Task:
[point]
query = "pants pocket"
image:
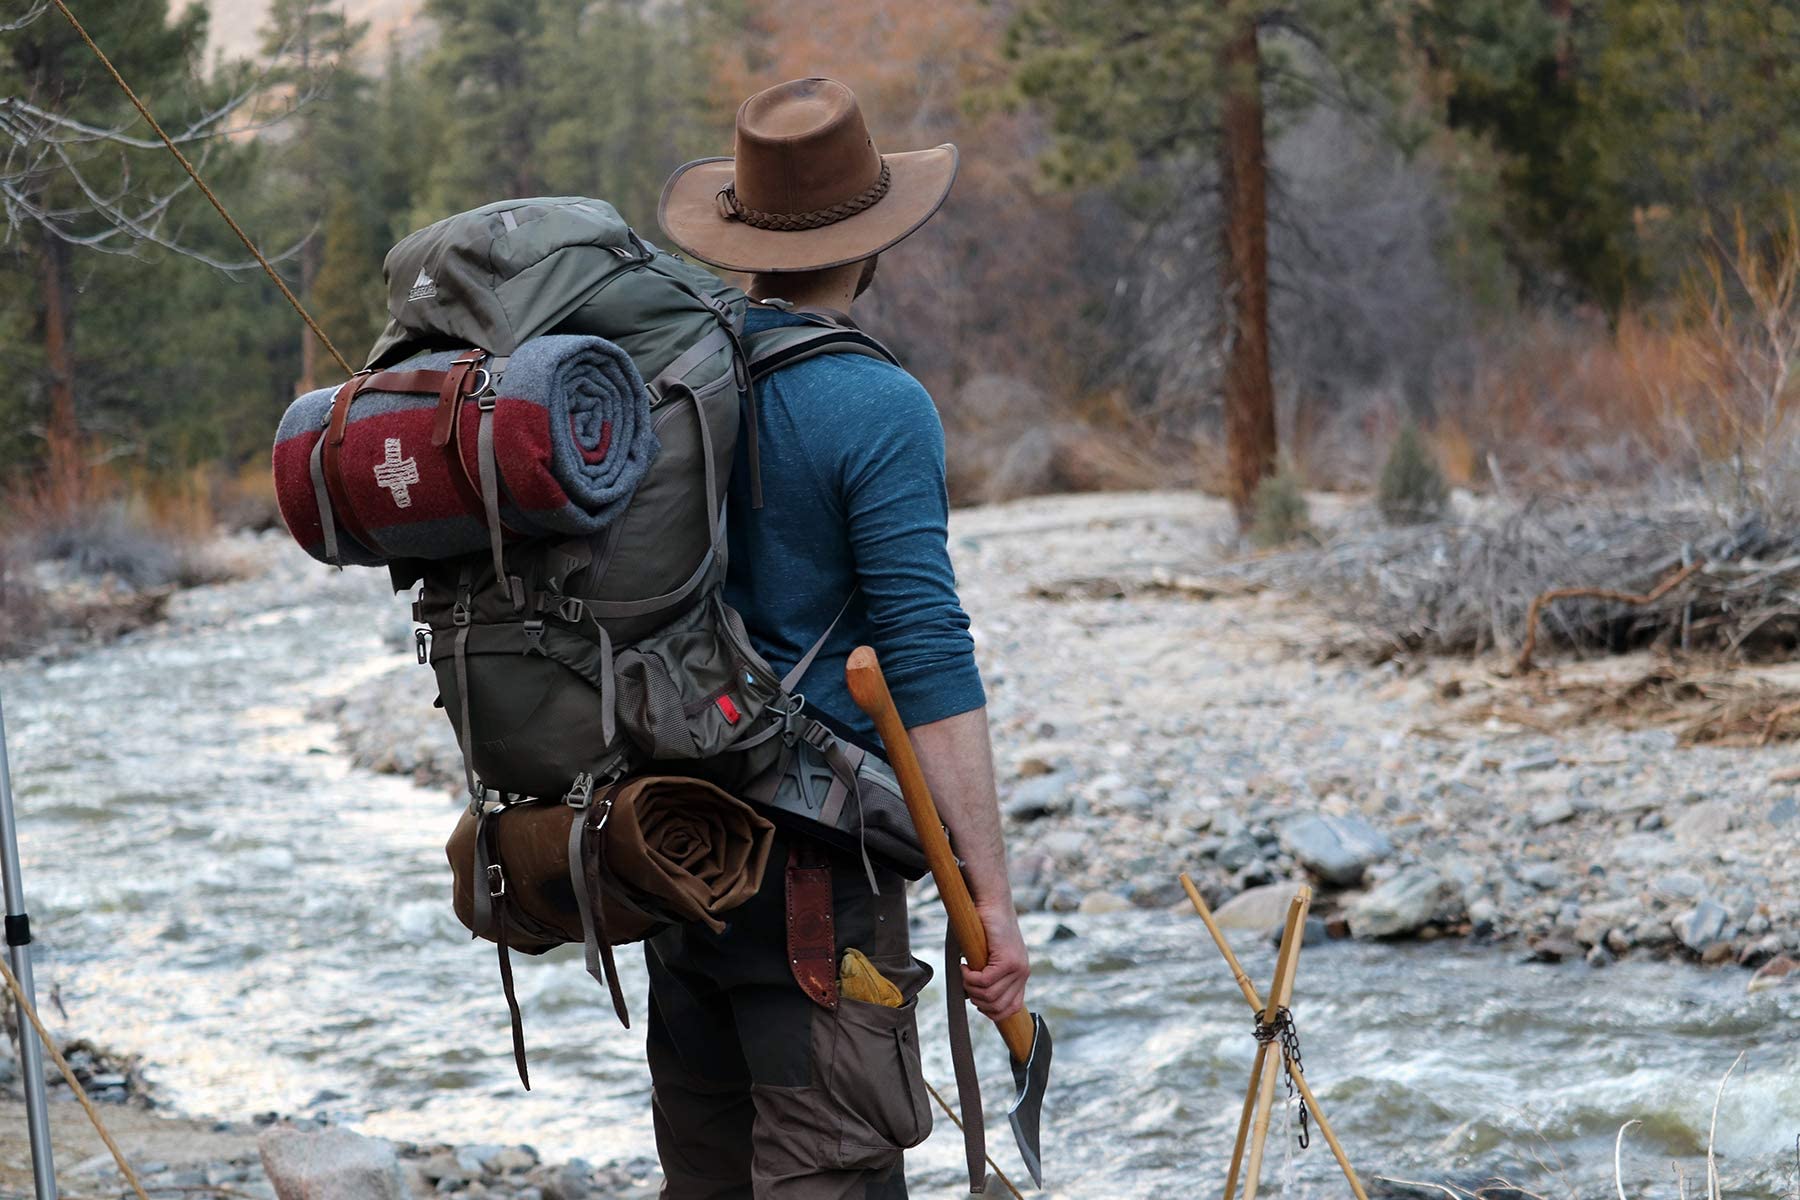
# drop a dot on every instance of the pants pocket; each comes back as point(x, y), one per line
point(871, 1066)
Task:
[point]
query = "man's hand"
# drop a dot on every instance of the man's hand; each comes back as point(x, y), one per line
point(998, 989)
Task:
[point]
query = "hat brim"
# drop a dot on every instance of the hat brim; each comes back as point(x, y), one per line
point(689, 214)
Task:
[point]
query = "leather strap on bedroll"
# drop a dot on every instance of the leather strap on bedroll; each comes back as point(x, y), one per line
point(490, 907)
point(811, 936)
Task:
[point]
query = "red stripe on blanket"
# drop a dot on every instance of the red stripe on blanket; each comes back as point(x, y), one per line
point(393, 476)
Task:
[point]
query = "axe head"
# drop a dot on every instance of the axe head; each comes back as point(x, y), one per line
point(1032, 1078)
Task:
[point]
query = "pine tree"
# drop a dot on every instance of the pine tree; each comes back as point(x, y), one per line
point(347, 294)
point(1693, 114)
point(1176, 96)
point(308, 46)
point(81, 171)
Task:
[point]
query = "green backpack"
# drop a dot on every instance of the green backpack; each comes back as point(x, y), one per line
point(564, 665)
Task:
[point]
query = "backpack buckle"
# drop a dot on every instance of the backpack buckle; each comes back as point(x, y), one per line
point(459, 613)
point(571, 609)
point(422, 645)
point(582, 793)
point(534, 638)
point(496, 881)
point(790, 718)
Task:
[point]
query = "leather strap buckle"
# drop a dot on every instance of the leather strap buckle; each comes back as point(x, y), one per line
point(496, 881)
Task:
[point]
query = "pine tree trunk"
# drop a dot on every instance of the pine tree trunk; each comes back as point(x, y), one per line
point(1243, 186)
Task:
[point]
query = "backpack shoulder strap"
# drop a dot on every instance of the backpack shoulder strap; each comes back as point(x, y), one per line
point(786, 345)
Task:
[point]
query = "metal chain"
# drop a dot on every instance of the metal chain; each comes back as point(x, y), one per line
point(1283, 1031)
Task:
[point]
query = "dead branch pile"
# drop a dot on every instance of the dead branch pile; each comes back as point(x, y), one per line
point(1704, 707)
point(1604, 579)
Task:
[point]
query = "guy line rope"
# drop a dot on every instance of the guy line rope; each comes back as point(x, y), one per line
point(324, 340)
point(62, 1064)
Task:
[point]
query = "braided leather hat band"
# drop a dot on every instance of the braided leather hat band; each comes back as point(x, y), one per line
point(732, 209)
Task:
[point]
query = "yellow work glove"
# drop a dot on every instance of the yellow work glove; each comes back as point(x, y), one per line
point(859, 980)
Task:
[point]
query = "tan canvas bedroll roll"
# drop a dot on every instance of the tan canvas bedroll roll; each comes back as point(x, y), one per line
point(603, 869)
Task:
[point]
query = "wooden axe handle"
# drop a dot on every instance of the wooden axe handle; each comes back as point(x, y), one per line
point(868, 687)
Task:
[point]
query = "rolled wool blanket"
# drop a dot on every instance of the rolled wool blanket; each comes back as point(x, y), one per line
point(673, 850)
point(572, 441)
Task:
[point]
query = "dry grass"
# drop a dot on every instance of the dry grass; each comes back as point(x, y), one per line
point(89, 551)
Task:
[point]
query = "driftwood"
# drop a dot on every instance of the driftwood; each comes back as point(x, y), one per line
point(1615, 597)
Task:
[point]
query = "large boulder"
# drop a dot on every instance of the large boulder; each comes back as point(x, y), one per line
point(1336, 849)
point(333, 1164)
point(1412, 899)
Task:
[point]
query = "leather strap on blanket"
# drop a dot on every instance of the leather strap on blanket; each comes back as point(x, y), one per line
point(811, 936)
point(962, 1059)
point(466, 378)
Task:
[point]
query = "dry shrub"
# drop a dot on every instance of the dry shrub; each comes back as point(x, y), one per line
point(119, 527)
point(1412, 490)
point(1279, 512)
point(1706, 391)
point(22, 610)
point(1006, 439)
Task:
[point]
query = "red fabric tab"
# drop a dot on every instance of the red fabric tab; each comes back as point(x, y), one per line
point(732, 715)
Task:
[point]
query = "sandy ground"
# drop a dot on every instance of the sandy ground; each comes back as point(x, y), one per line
point(145, 1136)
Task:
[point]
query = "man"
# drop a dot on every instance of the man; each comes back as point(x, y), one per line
point(760, 1092)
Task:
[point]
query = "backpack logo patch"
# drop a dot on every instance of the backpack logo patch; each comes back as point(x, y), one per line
point(397, 474)
point(423, 288)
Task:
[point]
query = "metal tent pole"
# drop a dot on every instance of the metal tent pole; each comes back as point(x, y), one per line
point(18, 953)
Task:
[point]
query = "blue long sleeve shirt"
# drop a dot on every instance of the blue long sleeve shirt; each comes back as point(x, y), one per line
point(854, 499)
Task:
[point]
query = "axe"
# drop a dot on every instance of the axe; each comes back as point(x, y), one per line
point(1026, 1035)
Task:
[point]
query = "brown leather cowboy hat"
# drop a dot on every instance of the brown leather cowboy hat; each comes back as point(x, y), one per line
point(807, 189)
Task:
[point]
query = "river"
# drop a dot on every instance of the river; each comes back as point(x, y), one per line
point(218, 892)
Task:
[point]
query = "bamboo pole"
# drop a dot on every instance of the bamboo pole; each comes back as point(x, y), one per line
point(1281, 990)
point(1231, 960)
point(1299, 1078)
point(1243, 1133)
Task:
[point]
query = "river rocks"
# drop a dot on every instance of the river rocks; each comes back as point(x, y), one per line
point(1702, 925)
point(1257, 910)
point(1412, 899)
point(1553, 811)
point(1040, 796)
point(1336, 849)
point(1704, 822)
point(1095, 903)
point(1780, 971)
point(332, 1164)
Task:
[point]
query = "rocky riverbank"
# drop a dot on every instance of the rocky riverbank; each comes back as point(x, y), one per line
point(1153, 716)
point(286, 1159)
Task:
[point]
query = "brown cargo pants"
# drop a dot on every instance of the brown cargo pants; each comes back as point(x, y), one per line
point(760, 1093)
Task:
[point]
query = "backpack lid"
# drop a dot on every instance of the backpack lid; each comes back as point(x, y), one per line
point(497, 275)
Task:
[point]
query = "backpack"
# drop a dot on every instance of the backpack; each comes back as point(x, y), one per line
point(568, 664)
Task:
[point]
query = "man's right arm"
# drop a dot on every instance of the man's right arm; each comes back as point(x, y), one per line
point(958, 760)
point(897, 513)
